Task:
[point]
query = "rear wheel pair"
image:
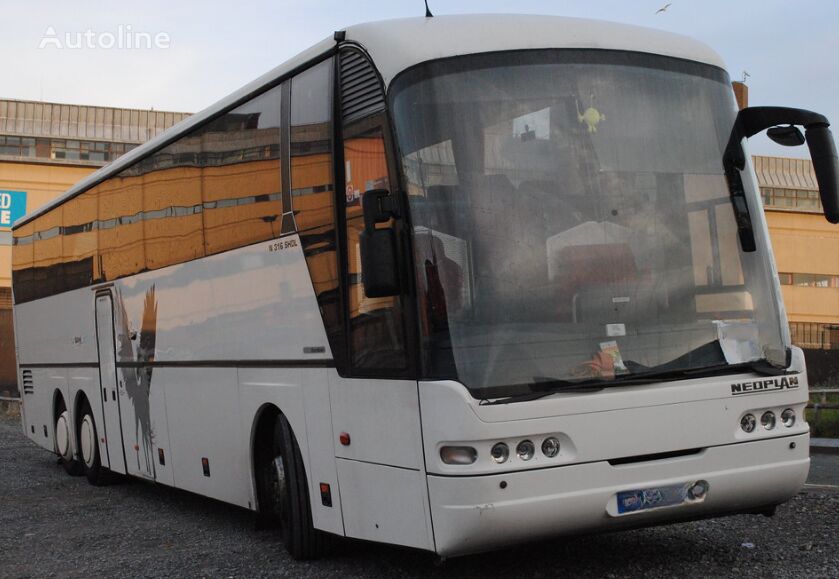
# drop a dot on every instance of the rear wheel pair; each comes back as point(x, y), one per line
point(284, 495)
point(90, 463)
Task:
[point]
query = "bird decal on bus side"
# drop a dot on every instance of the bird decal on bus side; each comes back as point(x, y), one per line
point(137, 379)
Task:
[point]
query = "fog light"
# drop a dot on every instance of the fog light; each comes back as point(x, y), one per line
point(788, 417)
point(525, 450)
point(748, 423)
point(768, 420)
point(458, 454)
point(698, 490)
point(550, 447)
point(500, 452)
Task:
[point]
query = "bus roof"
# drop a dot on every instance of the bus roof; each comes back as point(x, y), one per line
point(395, 45)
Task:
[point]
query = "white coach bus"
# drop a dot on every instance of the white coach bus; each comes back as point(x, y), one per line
point(450, 283)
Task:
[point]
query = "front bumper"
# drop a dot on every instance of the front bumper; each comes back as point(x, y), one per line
point(474, 513)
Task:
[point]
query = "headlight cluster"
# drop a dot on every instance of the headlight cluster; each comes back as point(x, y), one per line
point(767, 420)
point(500, 452)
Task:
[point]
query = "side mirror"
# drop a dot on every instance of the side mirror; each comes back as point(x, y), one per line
point(379, 267)
point(753, 120)
point(826, 166)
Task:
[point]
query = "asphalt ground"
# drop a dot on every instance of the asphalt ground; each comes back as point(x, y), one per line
point(54, 525)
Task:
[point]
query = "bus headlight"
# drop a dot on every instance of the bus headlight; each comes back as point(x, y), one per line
point(767, 420)
point(550, 447)
point(748, 423)
point(500, 453)
point(788, 417)
point(458, 454)
point(525, 450)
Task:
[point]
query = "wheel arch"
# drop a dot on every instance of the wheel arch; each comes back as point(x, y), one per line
point(261, 440)
point(57, 403)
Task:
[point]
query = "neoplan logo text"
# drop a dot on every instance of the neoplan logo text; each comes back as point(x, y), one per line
point(759, 386)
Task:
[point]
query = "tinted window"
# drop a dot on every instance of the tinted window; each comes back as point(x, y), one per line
point(215, 189)
point(313, 193)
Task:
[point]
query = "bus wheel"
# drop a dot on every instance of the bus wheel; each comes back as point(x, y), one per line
point(289, 496)
point(89, 443)
point(64, 445)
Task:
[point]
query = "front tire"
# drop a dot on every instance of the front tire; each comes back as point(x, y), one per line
point(285, 496)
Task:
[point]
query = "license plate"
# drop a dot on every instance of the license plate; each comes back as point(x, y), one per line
point(652, 498)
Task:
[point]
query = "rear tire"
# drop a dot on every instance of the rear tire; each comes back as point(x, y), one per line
point(285, 496)
point(96, 474)
point(64, 444)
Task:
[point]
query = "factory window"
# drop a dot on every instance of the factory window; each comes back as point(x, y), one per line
point(806, 200)
point(17, 146)
point(821, 280)
point(75, 150)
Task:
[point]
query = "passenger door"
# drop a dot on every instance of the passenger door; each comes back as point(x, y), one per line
point(109, 424)
point(380, 470)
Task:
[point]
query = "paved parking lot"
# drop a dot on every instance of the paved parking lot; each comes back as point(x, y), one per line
point(53, 525)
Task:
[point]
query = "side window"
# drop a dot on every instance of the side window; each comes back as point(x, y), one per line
point(122, 251)
point(376, 326)
point(79, 240)
point(242, 188)
point(23, 271)
point(215, 189)
point(313, 191)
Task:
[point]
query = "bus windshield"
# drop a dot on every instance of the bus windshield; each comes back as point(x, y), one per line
point(571, 220)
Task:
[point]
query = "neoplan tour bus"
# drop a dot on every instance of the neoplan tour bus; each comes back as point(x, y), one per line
point(450, 283)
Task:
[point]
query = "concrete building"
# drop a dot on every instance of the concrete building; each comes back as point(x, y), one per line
point(806, 250)
point(44, 149)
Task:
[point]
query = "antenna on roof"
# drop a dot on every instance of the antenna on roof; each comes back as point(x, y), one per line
point(428, 13)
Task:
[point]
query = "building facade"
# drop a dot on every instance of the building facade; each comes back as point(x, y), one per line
point(806, 250)
point(44, 149)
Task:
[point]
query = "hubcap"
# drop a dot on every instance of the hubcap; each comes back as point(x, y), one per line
point(88, 442)
point(62, 436)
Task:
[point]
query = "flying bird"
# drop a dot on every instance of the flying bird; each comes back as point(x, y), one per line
point(663, 8)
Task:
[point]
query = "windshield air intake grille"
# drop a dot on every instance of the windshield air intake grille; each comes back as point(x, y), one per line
point(361, 93)
point(28, 383)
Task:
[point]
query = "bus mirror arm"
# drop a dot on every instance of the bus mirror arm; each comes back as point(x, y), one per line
point(752, 120)
point(379, 267)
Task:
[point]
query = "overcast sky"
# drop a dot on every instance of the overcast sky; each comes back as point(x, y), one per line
point(211, 48)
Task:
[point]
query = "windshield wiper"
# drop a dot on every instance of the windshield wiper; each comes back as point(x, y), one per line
point(546, 387)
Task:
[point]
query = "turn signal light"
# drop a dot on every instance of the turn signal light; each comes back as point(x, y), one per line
point(458, 454)
point(768, 420)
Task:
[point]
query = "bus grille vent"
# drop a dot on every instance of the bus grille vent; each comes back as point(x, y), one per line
point(361, 92)
point(28, 383)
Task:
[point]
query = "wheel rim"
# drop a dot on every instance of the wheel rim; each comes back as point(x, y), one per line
point(88, 440)
point(62, 436)
point(277, 486)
